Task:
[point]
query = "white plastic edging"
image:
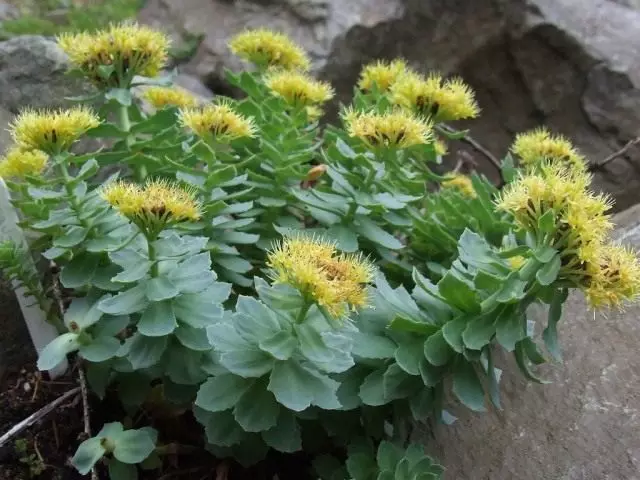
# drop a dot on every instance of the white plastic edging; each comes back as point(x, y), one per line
point(40, 330)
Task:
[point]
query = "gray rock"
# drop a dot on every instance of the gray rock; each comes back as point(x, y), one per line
point(583, 426)
point(33, 73)
point(7, 11)
point(570, 64)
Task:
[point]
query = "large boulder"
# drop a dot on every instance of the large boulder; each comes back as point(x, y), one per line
point(571, 64)
point(582, 426)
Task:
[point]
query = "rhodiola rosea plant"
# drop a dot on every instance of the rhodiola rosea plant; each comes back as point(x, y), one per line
point(295, 287)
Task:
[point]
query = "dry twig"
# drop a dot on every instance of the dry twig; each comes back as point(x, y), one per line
point(85, 410)
point(37, 416)
point(618, 153)
point(477, 146)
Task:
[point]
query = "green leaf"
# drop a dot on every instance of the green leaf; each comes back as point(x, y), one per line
point(133, 446)
point(452, 333)
point(193, 274)
point(422, 404)
point(57, 350)
point(198, 310)
point(87, 455)
point(133, 273)
point(458, 293)
point(372, 389)
point(98, 376)
point(253, 320)
point(119, 95)
point(122, 471)
point(79, 271)
point(494, 379)
point(467, 386)
point(404, 324)
point(233, 263)
point(361, 466)
point(550, 333)
point(547, 222)
point(549, 272)
point(344, 149)
point(430, 374)
point(346, 239)
point(437, 351)
point(222, 392)
point(100, 349)
point(125, 303)
point(280, 346)
point(53, 253)
point(532, 351)
point(193, 338)
point(409, 355)
point(370, 230)
point(146, 351)
point(510, 328)
point(158, 320)
point(397, 383)
point(287, 377)
point(479, 331)
point(161, 288)
point(73, 236)
point(247, 363)
point(369, 345)
point(545, 253)
point(523, 363)
point(284, 436)
point(257, 410)
point(82, 313)
point(220, 428)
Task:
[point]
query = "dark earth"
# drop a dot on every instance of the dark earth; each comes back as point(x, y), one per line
point(43, 451)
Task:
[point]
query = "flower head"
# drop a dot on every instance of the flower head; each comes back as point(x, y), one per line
point(220, 122)
point(580, 216)
point(298, 89)
point(160, 97)
point(614, 278)
point(52, 131)
point(334, 281)
point(461, 183)
point(267, 48)
point(19, 163)
point(381, 74)
point(440, 147)
point(397, 128)
point(123, 51)
point(154, 204)
point(441, 100)
point(539, 146)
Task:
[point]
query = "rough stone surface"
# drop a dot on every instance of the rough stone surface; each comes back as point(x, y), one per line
point(583, 426)
point(33, 73)
point(7, 11)
point(570, 64)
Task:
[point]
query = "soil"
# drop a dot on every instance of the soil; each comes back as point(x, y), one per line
point(42, 451)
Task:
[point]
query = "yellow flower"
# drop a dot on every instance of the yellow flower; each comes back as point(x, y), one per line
point(52, 131)
point(382, 74)
point(392, 129)
point(219, 122)
point(441, 100)
point(160, 97)
point(334, 281)
point(19, 163)
point(615, 278)
point(267, 48)
point(440, 147)
point(314, 112)
point(461, 183)
point(129, 48)
point(580, 216)
point(540, 146)
point(298, 89)
point(155, 204)
point(516, 262)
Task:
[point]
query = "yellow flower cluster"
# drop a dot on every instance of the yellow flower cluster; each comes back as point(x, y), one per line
point(161, 97)
point(397, 128)
point(219, 122)
point(19, 163)
point(52, 131)
point(266, 48)
point(539, 146)
point(334, 281)
point(155, 204)
point(298, 89)
point(581, 231)
point(439, 99)
point(130, 49)
point(461, 183)
point(381, 74)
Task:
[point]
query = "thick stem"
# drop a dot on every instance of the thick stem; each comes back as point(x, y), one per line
point(152, 257)
point(302, 314)
point(75, 205)
point(125, 125)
